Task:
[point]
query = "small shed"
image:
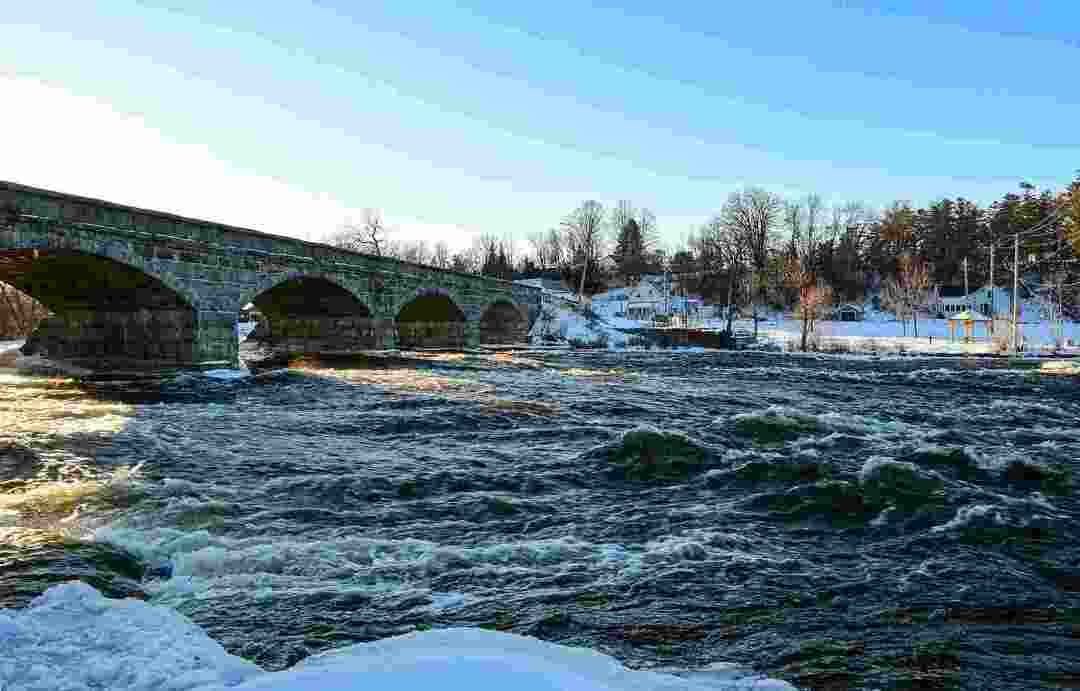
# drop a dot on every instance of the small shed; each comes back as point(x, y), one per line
point(848, 313)
point(966, 322)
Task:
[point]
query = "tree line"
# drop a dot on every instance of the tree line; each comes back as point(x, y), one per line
point(761, 250)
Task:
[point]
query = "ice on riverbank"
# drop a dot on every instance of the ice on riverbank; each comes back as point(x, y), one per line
point(73, 638)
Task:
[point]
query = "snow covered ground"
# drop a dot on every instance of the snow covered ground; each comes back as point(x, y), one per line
point(883, 335)
point(569, 324)
point(72, 638)
point(879, 332)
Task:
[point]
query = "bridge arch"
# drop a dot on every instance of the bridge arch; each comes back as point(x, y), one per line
point(431, 319)
point(313, 312)
point(268, 282)
point(107, 306)
point(103, 248)
point(503, 321)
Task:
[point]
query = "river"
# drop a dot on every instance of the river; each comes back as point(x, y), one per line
point(840, 522)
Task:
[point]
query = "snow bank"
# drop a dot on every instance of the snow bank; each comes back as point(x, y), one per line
point(480, 660)
point(567, 324)
point(72, 638)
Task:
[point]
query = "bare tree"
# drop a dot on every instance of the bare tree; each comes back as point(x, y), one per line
point(722, 241)
point(621, 214)
point(469, 260)
point(539, 245)
point(416, 251)
point(752, 215)
point(440, 255)
point(371, 235)
point(908, 290)
point(647, 224)
point(803, 221)
point(556, 247)
point(583, 231)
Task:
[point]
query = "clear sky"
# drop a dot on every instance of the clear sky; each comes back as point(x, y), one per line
point(496, 116)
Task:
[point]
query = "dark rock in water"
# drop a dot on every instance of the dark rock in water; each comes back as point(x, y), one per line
point(953, 460)
point(17, 461)
point(645, 454)
point(773, 426)
point(899, 483)
point(1030, 475)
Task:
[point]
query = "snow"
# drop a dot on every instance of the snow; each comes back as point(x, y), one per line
point(479, 660)
point(71, 638)
point(244, 329)
point(881, 334)
point(568, 324)
point(226, 374)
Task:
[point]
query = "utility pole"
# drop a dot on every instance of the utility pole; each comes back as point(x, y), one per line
point(1016, 292)
point(967, 291)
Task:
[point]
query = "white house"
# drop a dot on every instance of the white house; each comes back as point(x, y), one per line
point(644, 301)
point(990, 301)
point(950, 300)
point(986, 301)
point(848, 312)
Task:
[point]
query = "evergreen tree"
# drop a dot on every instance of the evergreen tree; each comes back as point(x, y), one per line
point(629, 252)
point(1069, 203)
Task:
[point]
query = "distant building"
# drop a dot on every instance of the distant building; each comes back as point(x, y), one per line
point(986, 301)
point(951, 300)
point(644, 301)
point(552, 290)
point(847, 312)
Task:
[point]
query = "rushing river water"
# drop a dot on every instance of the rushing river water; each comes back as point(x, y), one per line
point(839, 522)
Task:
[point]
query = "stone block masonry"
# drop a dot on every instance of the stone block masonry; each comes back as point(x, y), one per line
point(129, 287)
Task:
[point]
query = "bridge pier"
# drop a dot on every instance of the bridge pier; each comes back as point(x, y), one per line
point(216, 342)
point(326, 334)
point(97, 339)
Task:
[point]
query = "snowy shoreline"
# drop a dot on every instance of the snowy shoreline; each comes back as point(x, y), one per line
point(569, 326)
point(72, 637)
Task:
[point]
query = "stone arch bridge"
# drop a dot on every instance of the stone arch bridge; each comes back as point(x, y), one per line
point(129, 287)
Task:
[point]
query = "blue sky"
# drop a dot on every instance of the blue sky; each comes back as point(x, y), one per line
point(494, 116)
